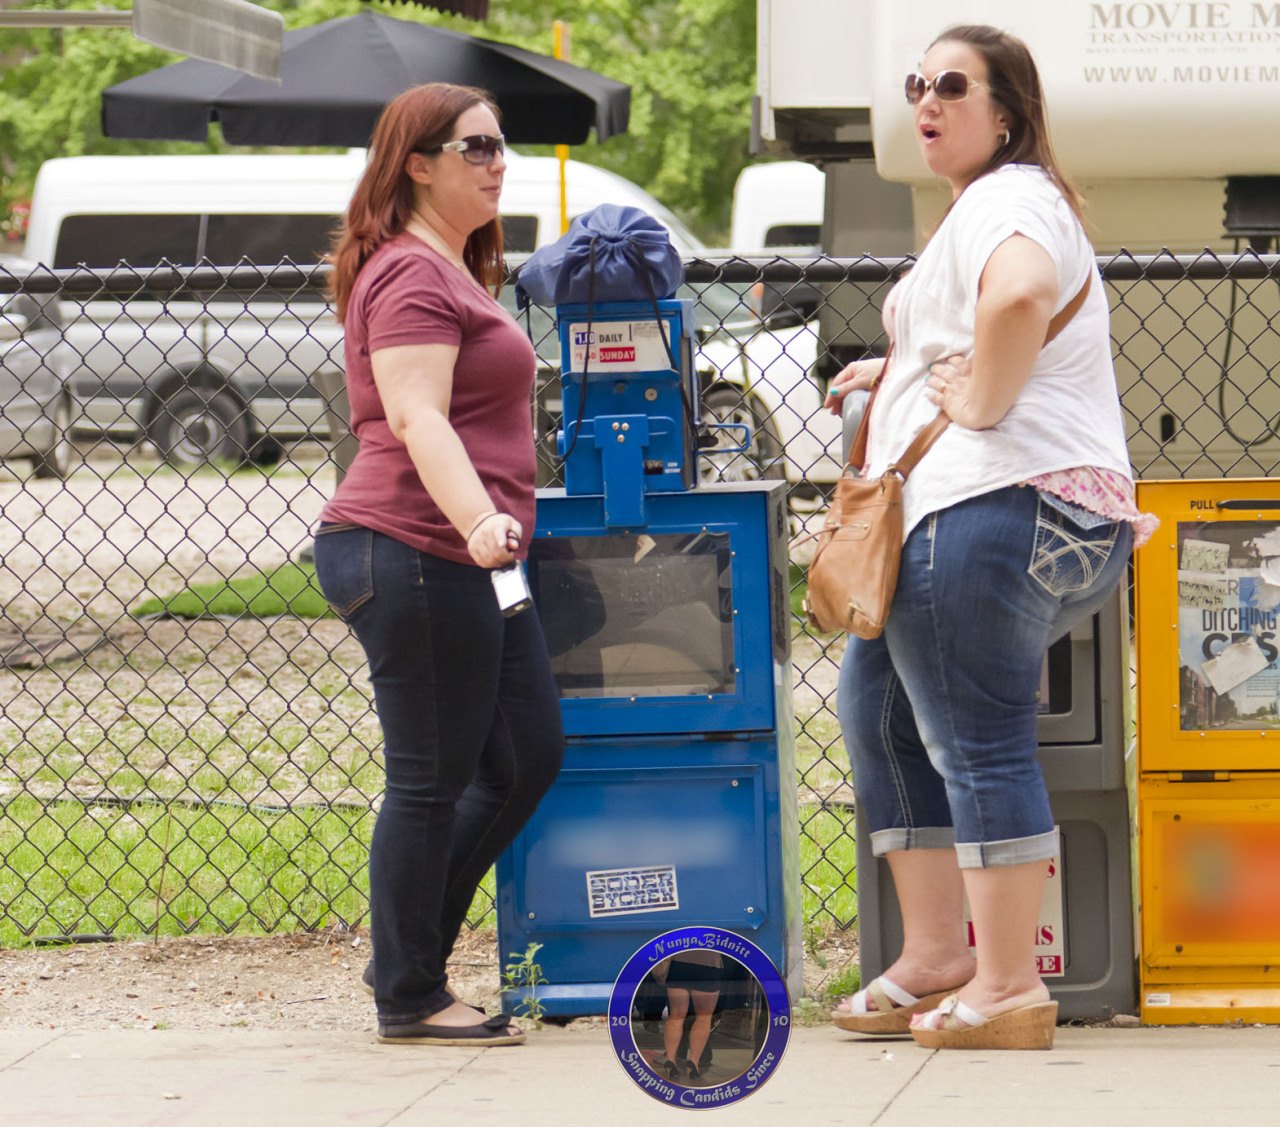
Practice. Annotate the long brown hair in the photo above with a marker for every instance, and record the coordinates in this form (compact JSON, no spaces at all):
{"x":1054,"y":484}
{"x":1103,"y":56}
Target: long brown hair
{"x":1013,"y":84}
{"x":418,"y":119}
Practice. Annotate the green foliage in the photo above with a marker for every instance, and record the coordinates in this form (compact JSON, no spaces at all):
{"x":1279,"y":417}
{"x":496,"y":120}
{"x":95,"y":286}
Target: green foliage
{"x":690,"y":63}
{"x":51,"y":96}
{"x":844,"y":984}
{"x":523,"y":973}
{"x":691,"y":68}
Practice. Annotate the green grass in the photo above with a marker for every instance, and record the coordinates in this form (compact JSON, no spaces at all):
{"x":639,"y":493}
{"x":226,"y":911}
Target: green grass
{"x":67,"y":868}
{"x":799,"y":586}
{"x":847,"y":982}
{"x":289,"y":589}
{"x":148,"y":869}
{"x":828,"y":865}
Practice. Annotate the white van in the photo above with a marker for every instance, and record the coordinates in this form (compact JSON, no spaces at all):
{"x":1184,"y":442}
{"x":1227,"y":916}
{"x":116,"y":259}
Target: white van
{"x":95,"y":211}
{"x":778,"y":204}
{"x":226,"y":378}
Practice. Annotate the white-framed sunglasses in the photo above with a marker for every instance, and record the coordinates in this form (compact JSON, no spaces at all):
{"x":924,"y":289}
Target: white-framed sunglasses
{"x":948,"y":85}
{"x":476,"y":149}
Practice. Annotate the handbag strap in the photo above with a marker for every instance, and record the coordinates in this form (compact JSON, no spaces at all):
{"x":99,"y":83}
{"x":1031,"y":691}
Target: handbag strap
{"x":929,"y":434}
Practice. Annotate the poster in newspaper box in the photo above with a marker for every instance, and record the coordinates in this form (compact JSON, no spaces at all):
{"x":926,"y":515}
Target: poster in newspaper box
{"x":1228,"y":602}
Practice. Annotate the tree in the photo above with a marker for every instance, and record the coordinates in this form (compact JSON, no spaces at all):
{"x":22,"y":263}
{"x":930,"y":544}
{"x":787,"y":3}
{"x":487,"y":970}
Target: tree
{"x":690,"y":63}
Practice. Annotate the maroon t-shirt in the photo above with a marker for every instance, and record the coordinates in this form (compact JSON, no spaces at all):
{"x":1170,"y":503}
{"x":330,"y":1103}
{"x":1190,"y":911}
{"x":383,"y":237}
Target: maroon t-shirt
{"x":408,"y":294}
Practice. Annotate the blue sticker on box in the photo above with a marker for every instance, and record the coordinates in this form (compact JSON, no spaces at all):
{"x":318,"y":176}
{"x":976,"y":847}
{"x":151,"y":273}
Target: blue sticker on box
{"x":731,"y":1012}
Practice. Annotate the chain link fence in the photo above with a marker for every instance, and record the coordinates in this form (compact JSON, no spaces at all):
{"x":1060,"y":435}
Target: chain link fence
{"x":188,"y":736}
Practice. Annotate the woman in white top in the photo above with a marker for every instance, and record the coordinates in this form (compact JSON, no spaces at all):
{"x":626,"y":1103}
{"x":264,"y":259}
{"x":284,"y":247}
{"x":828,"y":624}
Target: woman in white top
{"x":1019,"y":522}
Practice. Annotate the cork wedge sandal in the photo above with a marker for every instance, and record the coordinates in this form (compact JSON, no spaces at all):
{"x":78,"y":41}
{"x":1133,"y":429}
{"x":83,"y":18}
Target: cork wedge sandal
{"x":953,"y":1025}
{"x":892,"y":1011}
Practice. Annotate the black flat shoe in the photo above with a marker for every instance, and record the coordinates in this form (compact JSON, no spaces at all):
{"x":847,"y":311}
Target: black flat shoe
{"x":490,"y":1033}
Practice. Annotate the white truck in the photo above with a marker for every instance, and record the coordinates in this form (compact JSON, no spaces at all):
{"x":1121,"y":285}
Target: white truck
{"x":1163,"y":113}
{"x":777,"y":204}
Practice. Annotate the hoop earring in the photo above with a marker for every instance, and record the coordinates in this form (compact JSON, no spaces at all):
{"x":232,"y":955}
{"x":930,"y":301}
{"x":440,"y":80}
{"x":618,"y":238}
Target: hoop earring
{"x":1002,"y":138}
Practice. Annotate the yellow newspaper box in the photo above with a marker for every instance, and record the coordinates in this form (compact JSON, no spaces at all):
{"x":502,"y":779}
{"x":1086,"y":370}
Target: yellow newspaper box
{"x":1208,"y":787}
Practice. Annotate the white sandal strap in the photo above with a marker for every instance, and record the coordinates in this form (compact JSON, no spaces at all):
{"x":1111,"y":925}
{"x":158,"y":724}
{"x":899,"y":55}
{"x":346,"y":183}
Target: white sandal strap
{"x":967,"y":1015}
{"x":886,"y":994}
{"x":952,"y":1015}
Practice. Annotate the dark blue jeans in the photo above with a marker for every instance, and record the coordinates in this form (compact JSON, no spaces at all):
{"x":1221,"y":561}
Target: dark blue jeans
{"x":470,"y":721}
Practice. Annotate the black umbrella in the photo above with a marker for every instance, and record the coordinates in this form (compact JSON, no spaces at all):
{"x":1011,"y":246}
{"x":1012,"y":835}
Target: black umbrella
{"x":337,"y":76}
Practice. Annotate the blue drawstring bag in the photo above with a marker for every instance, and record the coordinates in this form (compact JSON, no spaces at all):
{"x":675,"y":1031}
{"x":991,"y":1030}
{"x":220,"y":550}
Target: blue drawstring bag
{"x":609,"y":253}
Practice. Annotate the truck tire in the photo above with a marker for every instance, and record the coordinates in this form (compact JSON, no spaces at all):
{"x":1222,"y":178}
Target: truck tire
{"x":55,"y":462}
{"x":762,"y":459}
{"x":197,"y":425}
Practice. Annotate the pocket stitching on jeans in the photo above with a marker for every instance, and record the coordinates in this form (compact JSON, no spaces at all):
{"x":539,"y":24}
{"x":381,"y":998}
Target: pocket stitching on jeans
{"x":1042,"y":561}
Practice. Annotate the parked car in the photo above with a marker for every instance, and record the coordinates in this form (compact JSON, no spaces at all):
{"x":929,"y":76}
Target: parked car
{"x":35,"y":367}
{"x":230,"y":375}
{"x":765,"y":375}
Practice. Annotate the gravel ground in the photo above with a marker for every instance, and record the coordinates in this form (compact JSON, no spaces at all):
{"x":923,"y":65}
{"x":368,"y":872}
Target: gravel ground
{"x":274,"y":982}
{"x":303,"y":982}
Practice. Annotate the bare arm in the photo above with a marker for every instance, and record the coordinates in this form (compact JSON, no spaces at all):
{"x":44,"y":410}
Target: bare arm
{"x":415,"y":382}
{"x":859,"y":375}
{"x":1017,"y":293}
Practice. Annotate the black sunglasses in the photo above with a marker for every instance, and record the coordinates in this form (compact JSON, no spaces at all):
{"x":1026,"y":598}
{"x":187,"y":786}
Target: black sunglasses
{"x":476,"y":149}
{"x":949,"y":85}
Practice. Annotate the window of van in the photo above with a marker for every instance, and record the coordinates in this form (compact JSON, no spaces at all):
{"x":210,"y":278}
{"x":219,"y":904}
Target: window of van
{"x":101,"y":241}
{"x":519,"y":234}
{"x":267,"y":239}
{"x":793,"y":235}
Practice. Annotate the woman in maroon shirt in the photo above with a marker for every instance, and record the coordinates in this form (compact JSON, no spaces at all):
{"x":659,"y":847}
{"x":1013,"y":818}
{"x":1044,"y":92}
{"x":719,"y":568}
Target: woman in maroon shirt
{"x":440,"y":380}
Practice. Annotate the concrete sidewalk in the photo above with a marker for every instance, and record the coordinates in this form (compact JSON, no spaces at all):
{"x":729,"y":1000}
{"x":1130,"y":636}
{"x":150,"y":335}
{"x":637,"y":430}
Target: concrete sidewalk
{"x":1096,"y":1077}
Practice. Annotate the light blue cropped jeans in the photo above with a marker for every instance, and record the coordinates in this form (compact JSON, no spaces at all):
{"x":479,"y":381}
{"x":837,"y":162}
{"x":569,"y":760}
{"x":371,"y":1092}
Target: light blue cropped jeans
{"x":939,"y":713}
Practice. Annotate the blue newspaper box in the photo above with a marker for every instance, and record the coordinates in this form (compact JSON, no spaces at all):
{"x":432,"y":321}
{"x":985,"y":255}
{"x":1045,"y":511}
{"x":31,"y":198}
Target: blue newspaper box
{"x":676,"y":805}
{"x":669,"y":637}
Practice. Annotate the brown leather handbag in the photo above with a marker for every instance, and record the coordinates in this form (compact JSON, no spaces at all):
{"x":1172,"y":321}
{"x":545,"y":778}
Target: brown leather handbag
{"x":854,"y":571}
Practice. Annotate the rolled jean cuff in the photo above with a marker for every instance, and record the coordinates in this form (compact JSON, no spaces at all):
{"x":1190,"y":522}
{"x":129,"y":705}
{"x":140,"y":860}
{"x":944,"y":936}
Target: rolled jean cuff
{"x":1014,"y":851}
{"x":917,"y":837}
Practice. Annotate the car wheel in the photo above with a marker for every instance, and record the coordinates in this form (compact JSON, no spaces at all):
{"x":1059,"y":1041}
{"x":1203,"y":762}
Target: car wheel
{"x":197,"y":425}
{"x":761,"y":459}
{"x":56,"y":461}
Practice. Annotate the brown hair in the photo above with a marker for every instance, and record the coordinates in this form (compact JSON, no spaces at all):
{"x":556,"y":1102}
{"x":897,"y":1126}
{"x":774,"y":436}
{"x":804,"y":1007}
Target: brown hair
{"x":1013,"y":84}
{"x":418,"y":119}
